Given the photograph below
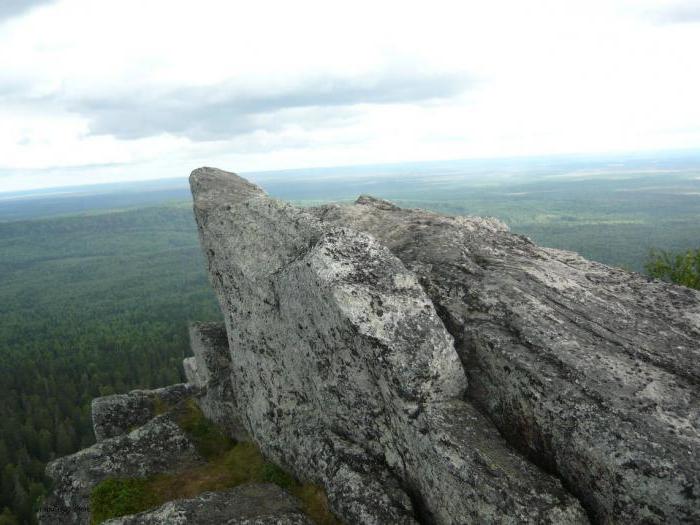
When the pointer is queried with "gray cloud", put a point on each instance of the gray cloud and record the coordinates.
(13, 8)
(677, 13)
(223, 111)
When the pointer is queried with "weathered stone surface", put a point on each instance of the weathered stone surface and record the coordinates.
(592, 371)
(210, 371)
(251, 504)
(158, 446)
(344, 372)
(116, 414)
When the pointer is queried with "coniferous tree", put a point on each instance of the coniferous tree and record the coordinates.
(679, 268)
(7, 517)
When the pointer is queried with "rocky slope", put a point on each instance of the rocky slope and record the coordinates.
(140, 435)
(425, 369)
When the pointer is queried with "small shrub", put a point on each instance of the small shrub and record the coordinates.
(680, 268)
(117, 497)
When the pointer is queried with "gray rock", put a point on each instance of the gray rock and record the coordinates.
(592, 371)
(116, 414)
(210, 371)
(251, 504)
(193, 375)
(344, 372)
(159, 446)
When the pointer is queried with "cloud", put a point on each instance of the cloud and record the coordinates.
(159, 85)
(225, 110)
(687, 12)
(13, 8)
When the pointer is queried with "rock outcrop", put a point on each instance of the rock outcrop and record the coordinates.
(593, 372)
(473, 374)
(159, 446)
(344, 372)
(116, 414)
(422, 369)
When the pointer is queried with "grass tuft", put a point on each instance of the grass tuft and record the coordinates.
(119, 497)
(160, 406)
(315, 504)
(207, 437)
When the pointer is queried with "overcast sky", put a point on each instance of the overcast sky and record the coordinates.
(102, 90)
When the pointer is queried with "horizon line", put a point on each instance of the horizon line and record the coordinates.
(607, 154)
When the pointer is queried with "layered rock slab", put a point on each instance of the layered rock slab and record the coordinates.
(250, 504)
(592, 371)
(344, 372)
(119, 413)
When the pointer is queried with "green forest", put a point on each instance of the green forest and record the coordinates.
(89, 306)
(99, 303)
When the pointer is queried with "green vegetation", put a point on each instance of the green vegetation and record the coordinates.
(89, 306)
(120, 497)
(679, 268)
(229, 465)
(210, 441)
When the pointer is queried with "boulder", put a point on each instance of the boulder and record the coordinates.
(344, 372)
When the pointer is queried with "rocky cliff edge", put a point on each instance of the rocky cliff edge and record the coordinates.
(428, 369)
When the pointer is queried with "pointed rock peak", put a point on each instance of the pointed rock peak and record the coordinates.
(212, 187)
(381, 204)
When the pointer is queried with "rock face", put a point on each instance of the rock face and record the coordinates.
(250, 504)
(593, 372)
(442, 369)
(344, 372)
(210, 371)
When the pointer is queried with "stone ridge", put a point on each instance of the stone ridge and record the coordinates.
(344, 372)
(161, 446)
(593, 372)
